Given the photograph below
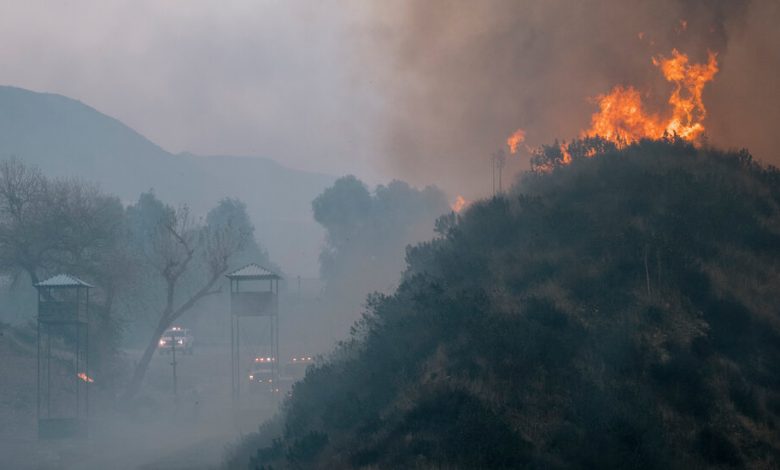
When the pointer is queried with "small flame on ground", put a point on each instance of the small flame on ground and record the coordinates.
(83, 376)
(514, 140)
(459, 204)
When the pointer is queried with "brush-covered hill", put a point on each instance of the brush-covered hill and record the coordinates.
(67, 138)
(618, 312)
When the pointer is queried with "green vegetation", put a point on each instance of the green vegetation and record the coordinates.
(620, 311)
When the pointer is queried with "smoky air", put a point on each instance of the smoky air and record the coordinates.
(440, 234)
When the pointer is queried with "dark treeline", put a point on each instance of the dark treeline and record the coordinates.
(150, 262)
(366, 233)
(620, 311)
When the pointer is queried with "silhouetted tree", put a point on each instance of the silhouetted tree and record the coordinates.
(180, 250)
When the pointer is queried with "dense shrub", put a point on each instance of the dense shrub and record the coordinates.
(618, 312)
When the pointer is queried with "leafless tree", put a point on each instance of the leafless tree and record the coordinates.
(23, 197)
(178, 248)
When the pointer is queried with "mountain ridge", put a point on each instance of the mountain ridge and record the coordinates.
(68, 138)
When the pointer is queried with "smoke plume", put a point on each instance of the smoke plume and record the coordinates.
(459, 76)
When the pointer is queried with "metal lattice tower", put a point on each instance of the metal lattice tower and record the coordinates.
(254, 292)
(63, 355)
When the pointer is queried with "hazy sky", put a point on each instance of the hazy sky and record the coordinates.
(242, 77)
(421, 90)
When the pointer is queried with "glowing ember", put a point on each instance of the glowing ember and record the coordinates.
(514, 140)
(83, 376)
(459, 204)
(623, 120)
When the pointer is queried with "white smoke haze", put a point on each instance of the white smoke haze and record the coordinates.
(243, 77)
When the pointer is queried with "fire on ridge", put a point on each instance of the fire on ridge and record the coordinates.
(622, 117)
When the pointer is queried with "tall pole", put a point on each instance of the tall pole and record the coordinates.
(238, 359)
(77, 379)
(86, 356)
(48, 371)
(499, 160)
(38, 407)
(173, 351)
(493, 167)
(500, 189)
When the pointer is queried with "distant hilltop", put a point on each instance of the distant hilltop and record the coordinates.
(67, 138)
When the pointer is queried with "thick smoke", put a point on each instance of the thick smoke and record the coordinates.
(461, 76)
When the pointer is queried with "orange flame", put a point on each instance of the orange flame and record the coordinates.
(622, 119)
(459, 204)
(514, 140)
(566, 154)
(83, 376)
(686, 100)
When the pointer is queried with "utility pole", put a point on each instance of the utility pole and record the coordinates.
(173, 363)
(499, 161)
(493, 166)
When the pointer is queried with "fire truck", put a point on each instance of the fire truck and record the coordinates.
(262, 375)
(177, 338)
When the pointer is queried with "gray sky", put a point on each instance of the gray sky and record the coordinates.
(241, 77)
(421, 90)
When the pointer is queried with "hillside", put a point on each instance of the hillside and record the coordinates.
(618, 312)
(67, 138)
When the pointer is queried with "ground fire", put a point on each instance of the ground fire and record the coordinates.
(514, 140)
(85, 377)
(459, 204)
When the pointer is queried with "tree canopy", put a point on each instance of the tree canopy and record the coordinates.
(365, 231)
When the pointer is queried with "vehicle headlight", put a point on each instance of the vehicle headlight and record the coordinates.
(162, 342)
(181, 341)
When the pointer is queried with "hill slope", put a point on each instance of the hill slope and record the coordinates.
(67, 138)
(617, 312)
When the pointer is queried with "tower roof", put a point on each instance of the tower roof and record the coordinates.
(63, 280)
(253, 271)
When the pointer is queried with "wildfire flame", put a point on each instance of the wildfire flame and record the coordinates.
(459, 204)
(514, 140)
(83, 376)
(622, 118)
